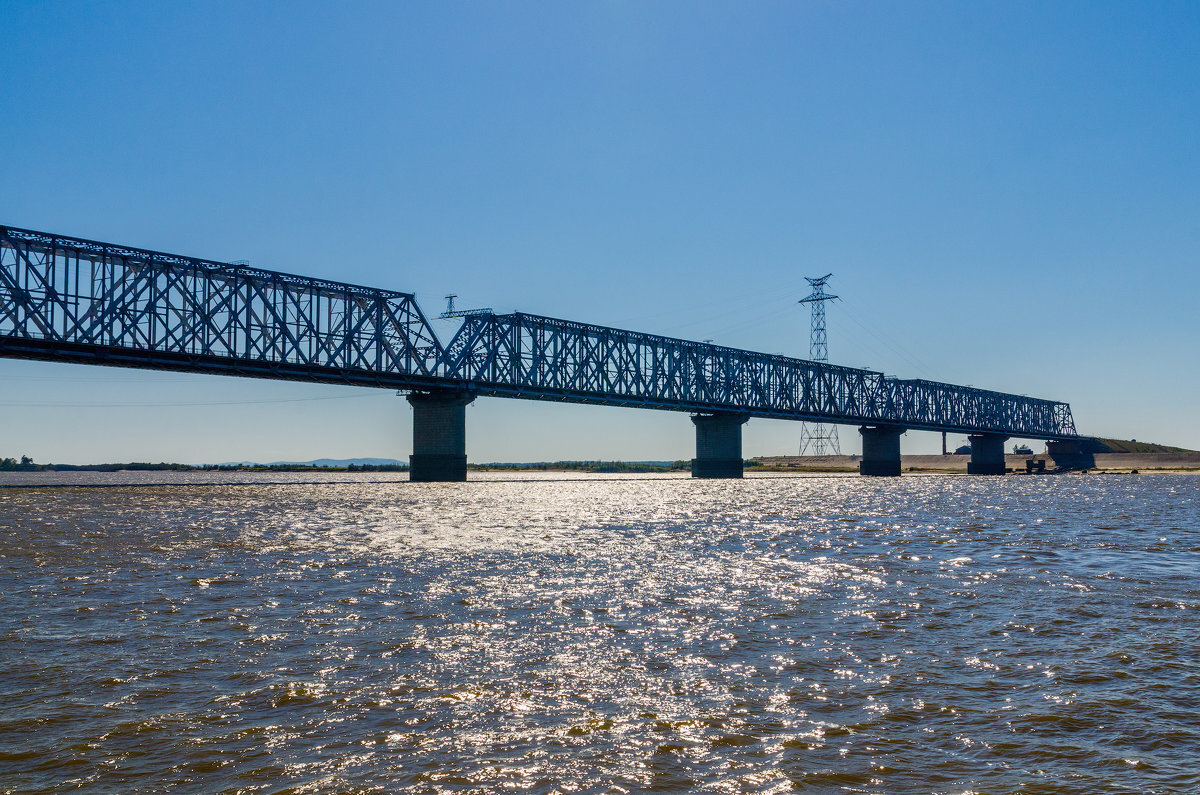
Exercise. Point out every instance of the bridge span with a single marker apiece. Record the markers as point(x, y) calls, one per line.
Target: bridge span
point(71, 300)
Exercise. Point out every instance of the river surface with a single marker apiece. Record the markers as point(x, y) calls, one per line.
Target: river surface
point(358, 633)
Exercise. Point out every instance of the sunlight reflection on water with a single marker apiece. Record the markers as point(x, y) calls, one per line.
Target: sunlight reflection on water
point(587, 633)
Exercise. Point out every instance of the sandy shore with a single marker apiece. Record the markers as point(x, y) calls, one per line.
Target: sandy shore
point(1105, 462)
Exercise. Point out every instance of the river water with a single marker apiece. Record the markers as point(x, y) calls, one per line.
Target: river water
point(550, 633)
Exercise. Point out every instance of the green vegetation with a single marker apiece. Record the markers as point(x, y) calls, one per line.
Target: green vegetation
point(1134, 446)
point(136, 466)
point(761, 467)
point(26, 464)
point(786, 464)
point(583, 466)
point(300, 468)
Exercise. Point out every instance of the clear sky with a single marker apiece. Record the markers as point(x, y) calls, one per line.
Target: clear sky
point(1007, 193)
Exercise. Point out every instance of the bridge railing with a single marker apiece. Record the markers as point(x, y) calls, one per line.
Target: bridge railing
point(530, 356)
point(96, 301)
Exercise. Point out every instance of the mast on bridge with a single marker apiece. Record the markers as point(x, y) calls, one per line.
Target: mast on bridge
point(817, 438)
point(451, 312)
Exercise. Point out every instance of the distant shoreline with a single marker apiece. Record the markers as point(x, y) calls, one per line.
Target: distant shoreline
point(556, 466)
point(138, 466)
point(929, 464)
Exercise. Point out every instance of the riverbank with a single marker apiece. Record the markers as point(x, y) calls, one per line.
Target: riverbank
point(1104, 462)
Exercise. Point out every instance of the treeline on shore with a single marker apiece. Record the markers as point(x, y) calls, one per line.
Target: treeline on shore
point(583, 466)
point(26, 464)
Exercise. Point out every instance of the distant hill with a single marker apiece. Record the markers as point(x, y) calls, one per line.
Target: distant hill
point(1134, 446)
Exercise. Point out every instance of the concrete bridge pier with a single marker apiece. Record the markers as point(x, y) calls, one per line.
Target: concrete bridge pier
point(718, 445)
point(881, 450)
point(987, 454)
point(439, 436)
point(1073, 453)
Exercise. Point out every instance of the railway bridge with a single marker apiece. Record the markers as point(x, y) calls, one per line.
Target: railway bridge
point(67, 299)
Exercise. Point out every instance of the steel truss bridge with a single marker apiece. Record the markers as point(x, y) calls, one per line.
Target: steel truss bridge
point(71, 300)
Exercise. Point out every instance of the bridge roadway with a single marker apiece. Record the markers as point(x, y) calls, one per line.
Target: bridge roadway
point(71, 300)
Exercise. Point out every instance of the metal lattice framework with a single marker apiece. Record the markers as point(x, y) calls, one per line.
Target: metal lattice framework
point(71, 300)
point(527, 356)
point(77, 300)
point(815, 437)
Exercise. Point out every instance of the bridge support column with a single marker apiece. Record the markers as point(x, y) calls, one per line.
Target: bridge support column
point(881, 450)
point(718, 445)
point(1073, 453)
point(439, 436)
point(987, 454)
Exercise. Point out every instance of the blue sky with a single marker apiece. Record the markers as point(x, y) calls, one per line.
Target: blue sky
point(1007, 193)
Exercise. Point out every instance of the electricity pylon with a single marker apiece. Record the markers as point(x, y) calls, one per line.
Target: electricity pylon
point(816, 438)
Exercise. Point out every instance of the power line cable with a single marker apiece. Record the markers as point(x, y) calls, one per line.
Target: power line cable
point(922, 368)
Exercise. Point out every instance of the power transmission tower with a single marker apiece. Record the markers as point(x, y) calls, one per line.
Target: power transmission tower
point(816, 438)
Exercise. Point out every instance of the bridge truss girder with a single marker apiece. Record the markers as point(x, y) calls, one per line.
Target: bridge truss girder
point(76, 300)
point(529, 356)
point(73, 300)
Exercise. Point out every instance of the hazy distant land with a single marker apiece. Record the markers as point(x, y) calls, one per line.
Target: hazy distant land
point(1111, 455)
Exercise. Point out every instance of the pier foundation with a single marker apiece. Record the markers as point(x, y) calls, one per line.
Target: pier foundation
point(881, 451)
point(718, 445)
point(439, 436)
point(987, 454)
point(1073, 453)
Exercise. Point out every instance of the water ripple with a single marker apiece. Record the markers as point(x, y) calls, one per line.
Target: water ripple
point(926, 634)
